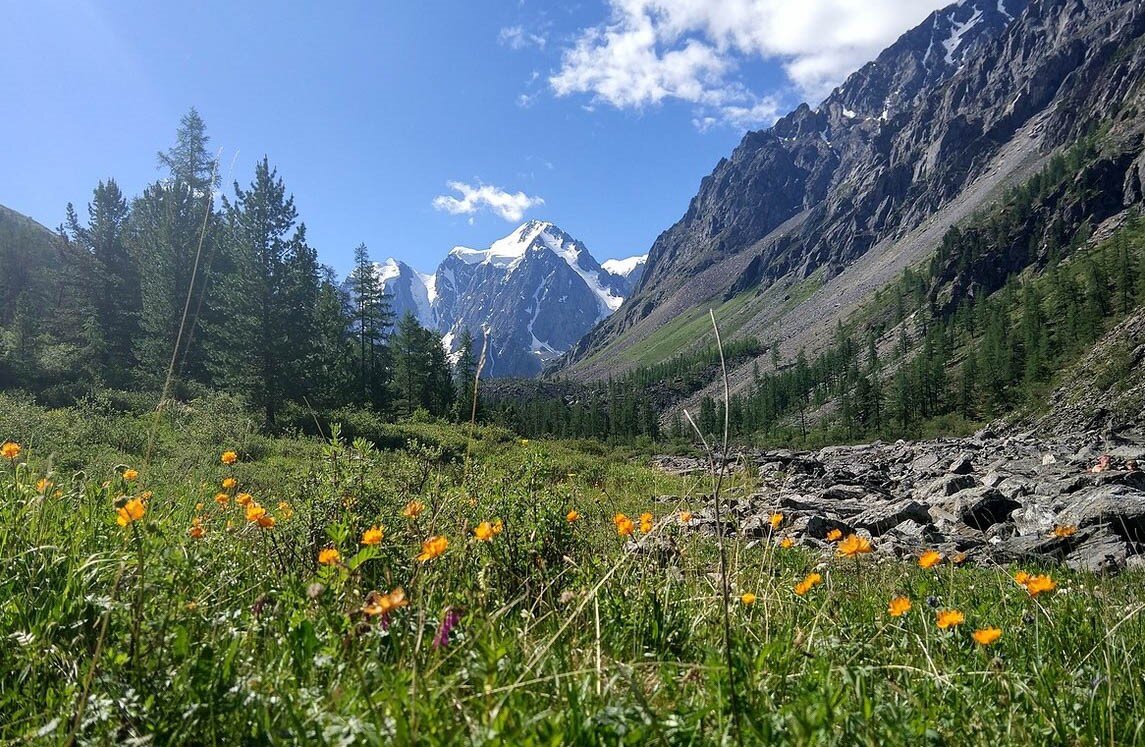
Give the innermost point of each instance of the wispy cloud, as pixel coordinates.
(510, 206)
(517, 37)
(650, 51)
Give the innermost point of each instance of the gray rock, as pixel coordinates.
(883, 517)
(981, 507)
(949, 485)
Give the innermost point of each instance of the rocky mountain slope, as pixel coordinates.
(804, 221)
(537, 291)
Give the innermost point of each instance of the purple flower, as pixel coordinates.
(448, 623)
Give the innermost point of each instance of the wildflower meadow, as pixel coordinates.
(184, 579)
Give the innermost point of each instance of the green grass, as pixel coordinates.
(564, 634)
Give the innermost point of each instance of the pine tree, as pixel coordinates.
(464, 375)
(270, 292)
(372, 318)
(171, 237)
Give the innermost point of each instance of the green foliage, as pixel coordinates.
(561, 631)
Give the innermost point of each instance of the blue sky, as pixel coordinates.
(609, 111)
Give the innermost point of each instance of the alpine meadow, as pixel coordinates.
(844, 445)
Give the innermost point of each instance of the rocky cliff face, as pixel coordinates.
(537, 291)
(922, 128)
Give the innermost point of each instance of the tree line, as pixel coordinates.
(187, 288)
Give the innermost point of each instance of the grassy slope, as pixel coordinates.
(240, 637)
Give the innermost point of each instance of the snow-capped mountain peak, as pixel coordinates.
(538, 289)
(625, 267)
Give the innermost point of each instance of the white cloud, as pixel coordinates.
(510, 206)
(650, 51)
(516, 37)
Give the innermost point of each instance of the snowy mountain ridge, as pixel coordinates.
(538, 290)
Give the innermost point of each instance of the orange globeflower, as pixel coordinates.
(329, 556)
(229, 483)
(786, 543)
(130, 475)
(929, 559)
(835, 535)
(413, 509)
(380, 604)
(196, 531)
(898, 607)
(254, 512)
(498, 527)
(1021, 578)
(624, 525)
(483, 532)
(747, 599)
(685, 517)
(244, 499)
(572, 516)
(809, 582)
(42, 485)
(222, 498)
(131, 511)
(372, 536)
(10, 450)
(266, 521)
(775, 520)
(1065, 530)
(986, 636)
(950, 618)
(854, 545)
(432, 548)
(1037, 584)
(645, 522)
(229, 457)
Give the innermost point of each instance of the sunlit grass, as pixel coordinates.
(394, 599)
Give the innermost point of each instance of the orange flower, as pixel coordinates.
(254, 512)
(809, 582)
(372, 536)
(645, 522)
(42, 485)
(413, 509)
(950, 618)
(285, 510)
(483, 532)
(10, 450)
(898, 607)
(266, 522)
(196, 531)
(222, 498)
(834, 535)
(572, 516)
(229, 457)
(747, 599)
(685, 517)
(787, 543)
(432, 548)
(229, 483)
(498, 527)
(130, 475)
(624, 525)
(1021, 578)
(854, 545)
(131, 511)
(986, 636)
(1038, 584)
(329, 556)
(1065, 530)
(380, 604)
(244, 499)
(776, 519)
(929, 559)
